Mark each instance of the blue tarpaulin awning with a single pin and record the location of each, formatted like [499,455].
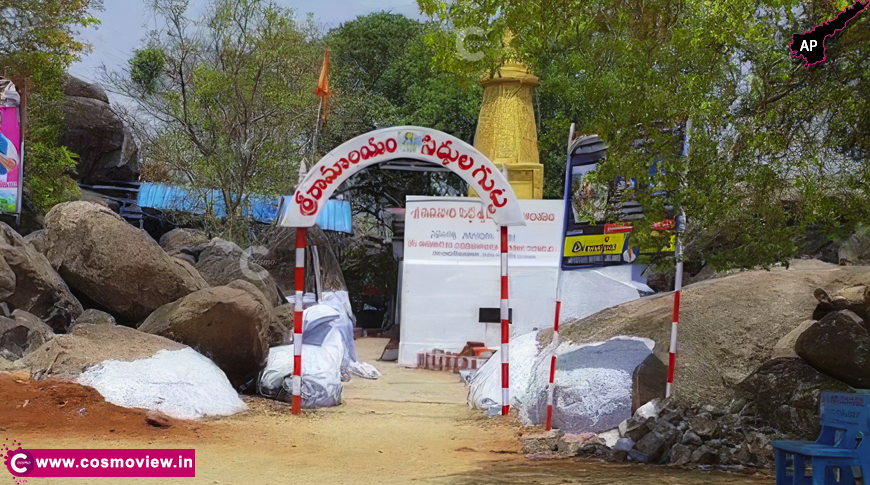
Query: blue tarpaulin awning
[335,216]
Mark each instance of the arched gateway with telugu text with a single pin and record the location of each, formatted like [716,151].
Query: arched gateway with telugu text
[402,142]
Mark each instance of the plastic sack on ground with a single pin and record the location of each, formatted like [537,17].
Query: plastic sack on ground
[182,384]
[317,323]
[364,370]
[339,301]
[321,372]
[484,389]
[593,384]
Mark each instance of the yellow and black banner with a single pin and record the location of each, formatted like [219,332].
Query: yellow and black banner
[596,244]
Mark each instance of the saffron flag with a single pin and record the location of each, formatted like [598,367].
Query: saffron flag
[323,84]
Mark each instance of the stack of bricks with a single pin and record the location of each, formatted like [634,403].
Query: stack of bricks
[448,361]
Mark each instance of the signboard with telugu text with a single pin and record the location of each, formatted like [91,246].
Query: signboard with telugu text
[457,230]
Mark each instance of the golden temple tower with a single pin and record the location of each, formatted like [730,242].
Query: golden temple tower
[506,130]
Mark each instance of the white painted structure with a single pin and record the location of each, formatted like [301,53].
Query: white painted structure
[451,269]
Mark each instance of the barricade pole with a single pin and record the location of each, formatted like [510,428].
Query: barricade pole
[299,284]
[551,388]
[505,327]
[678,286]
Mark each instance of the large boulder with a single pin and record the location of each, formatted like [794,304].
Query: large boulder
[68,356]
[28,282]
[856,249]
[176,241]
[221,262]
[786,393]
[78,88]
[278,330]
[228,325]
[116,265]
[94,317]
[105,146]
[22,334]
[855,298]
[838,345]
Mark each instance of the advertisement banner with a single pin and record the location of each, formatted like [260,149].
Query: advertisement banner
[10,160]
[458,230]
[596,244]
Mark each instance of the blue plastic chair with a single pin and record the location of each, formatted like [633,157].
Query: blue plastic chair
[840,450]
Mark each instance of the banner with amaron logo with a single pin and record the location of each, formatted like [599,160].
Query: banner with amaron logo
[597,248]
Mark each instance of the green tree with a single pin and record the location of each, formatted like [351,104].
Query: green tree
[776,150]
[227,99]
[37,45]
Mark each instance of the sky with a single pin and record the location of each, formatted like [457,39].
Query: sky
[125,22]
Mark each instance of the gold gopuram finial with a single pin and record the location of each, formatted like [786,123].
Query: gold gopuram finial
[506,130]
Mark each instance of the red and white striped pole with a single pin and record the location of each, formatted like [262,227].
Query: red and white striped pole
[505,327]
[299,284]
[678,285]
[551,388]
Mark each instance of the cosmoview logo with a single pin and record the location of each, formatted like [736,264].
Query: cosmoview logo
[19,462]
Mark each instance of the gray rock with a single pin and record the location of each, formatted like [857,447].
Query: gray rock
[716,444]
[29,282]
[22,334]
[176,241]
[703,426]
[67,356]
[854,298]
[116,265]
[37,240]
[838,345]
[658,441]
[705,456]
[105,146]
[856,249]
[743,456]
[680,455]
[610,437]
[785,346]
[648,382]
[94,317]
[81,89]
[691,439]
[542,442]
[737,405]
[281,328]
[793,383]
[623,444]
[638,456]
[634,429]
[221,262]
[648,410]
[570,444]
[228,325]
[652,445]
[279,334]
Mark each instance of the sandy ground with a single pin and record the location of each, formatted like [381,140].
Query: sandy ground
[409,426]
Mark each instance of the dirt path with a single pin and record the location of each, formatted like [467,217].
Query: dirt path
[409,426]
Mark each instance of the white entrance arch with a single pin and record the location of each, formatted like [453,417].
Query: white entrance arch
[423,144]
[414,142]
